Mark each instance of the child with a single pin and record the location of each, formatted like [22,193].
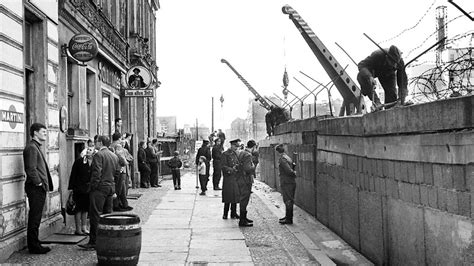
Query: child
[202,174]
[175,164]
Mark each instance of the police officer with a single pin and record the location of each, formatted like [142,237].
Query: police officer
[287,182]
[230,189]
[244,180]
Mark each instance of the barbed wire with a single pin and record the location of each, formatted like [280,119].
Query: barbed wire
[412,27]
[432,34]
[450,79]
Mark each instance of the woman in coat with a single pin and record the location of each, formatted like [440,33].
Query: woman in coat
[79,184]
[287,182]
[230,189]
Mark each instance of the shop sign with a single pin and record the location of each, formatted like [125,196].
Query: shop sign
[12,116]
[138,80]
[139,93]
[83,47]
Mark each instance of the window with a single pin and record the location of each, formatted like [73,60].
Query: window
[90,90]
[105,114]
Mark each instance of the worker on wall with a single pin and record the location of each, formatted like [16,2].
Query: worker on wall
[389,68]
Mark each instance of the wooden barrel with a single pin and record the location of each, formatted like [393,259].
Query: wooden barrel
[119,239]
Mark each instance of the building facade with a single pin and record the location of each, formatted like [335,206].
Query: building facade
[40,81]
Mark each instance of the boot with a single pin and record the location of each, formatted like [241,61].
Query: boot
[243,220]
[289,214]
[282,219]
[233,211]
[248,220]
[226,210]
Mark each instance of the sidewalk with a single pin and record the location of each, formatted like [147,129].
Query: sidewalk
[180,227]
[186,228]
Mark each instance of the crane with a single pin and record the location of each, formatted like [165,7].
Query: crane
[258,97]
[346,86]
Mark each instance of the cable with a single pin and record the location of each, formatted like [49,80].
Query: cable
[414,26]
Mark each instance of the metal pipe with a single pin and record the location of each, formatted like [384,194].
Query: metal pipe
[346,53]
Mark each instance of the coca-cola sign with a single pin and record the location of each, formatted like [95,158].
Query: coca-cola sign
[83,47]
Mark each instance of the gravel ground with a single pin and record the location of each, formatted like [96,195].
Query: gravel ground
[72,254]
[271,243]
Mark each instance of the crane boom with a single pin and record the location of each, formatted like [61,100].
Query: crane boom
[346,86]
[258,97]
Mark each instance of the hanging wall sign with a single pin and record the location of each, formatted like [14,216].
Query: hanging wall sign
[83,47]
[138,82]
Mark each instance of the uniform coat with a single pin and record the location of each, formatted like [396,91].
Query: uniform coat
[230,189]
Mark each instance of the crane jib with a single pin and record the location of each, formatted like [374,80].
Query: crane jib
[258,97]
[346,86]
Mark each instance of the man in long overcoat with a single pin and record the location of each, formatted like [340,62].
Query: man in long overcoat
[230,189]
[245,178]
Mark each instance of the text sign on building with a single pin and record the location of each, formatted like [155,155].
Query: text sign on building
[12,116]
[138,93]
[138,80]
[83,47]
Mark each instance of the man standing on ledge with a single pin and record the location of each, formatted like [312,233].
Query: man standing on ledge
[38,182]
[105,169]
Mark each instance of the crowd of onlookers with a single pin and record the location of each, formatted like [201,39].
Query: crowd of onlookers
[101,176]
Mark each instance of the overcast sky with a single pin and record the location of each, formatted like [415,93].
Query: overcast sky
[259,41]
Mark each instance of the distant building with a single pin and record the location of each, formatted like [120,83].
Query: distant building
[203,132]
[166,125]
[238,129]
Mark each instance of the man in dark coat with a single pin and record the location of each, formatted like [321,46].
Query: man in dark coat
[245,178]
[286,166]
[105,169]
[217,163]
[143,166]
[230,189]
[38,182]
[206,152]
[221,135]
[389,68]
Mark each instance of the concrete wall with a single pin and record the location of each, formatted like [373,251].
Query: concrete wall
[397,185]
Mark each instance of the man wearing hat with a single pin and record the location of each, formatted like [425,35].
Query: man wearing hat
[205,151]
[230,188]
[387,65]
[245,178]
[136,80]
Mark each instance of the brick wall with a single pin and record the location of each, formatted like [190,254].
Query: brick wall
[397,185]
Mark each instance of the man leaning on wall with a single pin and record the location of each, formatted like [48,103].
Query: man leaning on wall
[38,182]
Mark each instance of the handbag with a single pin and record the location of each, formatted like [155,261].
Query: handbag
[71,205]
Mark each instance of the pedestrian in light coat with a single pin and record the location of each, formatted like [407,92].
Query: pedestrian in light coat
[286,166]
[38,183]
[230,189]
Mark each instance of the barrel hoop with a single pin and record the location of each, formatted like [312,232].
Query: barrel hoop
[118,227]
[108,258]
